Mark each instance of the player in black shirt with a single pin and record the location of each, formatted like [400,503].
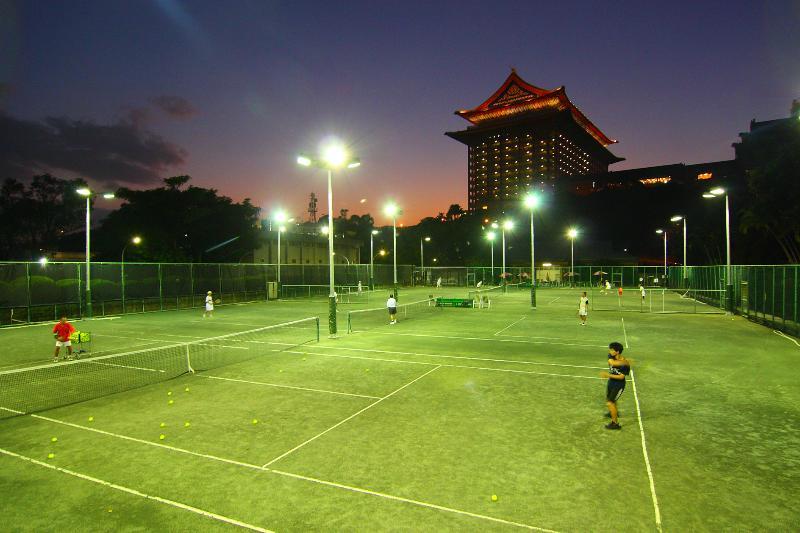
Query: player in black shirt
[618,368]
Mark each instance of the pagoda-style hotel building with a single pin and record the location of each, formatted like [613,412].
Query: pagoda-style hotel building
[524,137]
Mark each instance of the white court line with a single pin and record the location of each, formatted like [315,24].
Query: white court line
[656,510]
[510,325]
[553,300]
[168,341]
[457,357]
[134,492]
[288,387]
[407,500]
[287,474]
[780,333]
[489,339]
[624,333]
[373,404]
[509,370]
[11,410]
[127,366]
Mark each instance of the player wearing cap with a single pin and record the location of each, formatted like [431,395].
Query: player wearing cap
[62,332]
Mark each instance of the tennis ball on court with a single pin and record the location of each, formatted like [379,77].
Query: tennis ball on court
[186,389]
[50,455]
[162,437]
[494,497]
[162,425]
[91,419]
[255,421]
[171,402]
[280,370]
[366,370]
[54,439]
[186,424]
[111,510]
[169,393]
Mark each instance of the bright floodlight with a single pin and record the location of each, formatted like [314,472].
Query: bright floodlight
[382,252]
[508,224]
[136,240]
[108,195]
[353,164]
[43,261]
[572,233]
[303,160]
[375,232]
[495,225]
[427,239]
[659,231]
[83,191]
[282,229]
[676,218]
[547,264]
[334,155]
[324,230]
[717,191]
[532,200]
[279,216]
[708,195]
[491,235]
[391,210]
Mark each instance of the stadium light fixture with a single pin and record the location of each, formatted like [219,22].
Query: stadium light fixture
[372,259]
[547,265]
[87,193]
[280,216]
[662,232]
[676,218]
[572,233]
[422,255]
[304,161]
[83,191]
[392,210]
[532,201]
[335,155]
[324,230]
[43,261]
[715,193]
[109,195]
[659,231]
[382,253]
[136,240]
[507,225]
[708,195]
[495,225]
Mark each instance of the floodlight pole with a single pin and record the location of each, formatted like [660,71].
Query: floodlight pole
[728,280]
[394,251]
[332,293]
[88,256]
[371,261]
[572,261]
[421,262]
[279,258]
[665,255]
[503,274]
[491,244]
[533,267]
[685,272]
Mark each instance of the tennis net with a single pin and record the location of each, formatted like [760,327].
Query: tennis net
[485,291]
[344,293]
[38,388]
[364,319]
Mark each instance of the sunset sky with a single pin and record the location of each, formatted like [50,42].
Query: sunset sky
[125,93]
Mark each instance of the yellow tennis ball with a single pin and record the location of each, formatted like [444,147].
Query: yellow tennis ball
[110,510]
[162,424]
[171,402]
[280,370]
[91,419]
[162,437]
[50,455]
[54,439]
[186,389]
[186,424]
[494,497]
[255,421]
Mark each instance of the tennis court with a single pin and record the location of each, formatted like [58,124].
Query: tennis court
[413,426]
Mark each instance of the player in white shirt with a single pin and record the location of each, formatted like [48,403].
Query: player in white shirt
[439,283]
[209,305]
[391,305]
[644,292]
[583,308]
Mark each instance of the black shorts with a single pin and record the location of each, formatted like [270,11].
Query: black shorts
[392,310]
[614,390]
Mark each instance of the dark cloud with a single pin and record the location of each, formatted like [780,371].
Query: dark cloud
[124,152]
[174,106]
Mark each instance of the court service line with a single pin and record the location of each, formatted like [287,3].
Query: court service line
[511,325]
[127,366]
[289,474]
[553,300]
[371,350]
[512,371]
[373,404]
[656,509]
[490,339]
[12,410]
[288,387]
[134,492]
[781,334]
[624,333]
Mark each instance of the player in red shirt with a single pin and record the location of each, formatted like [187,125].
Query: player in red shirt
[62,332]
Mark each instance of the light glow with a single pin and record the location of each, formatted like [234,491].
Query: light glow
[547,264]
[717,191]
[508,224]
[136,240]
[659,231]
[572,233]
[491,235]
[108,195]
[708,195]
[304,161]
[676,218]
[334,155]
[427,239]
[532,200]
[279,216]
[324,230]
[43,261]
[391,210]
[375,232]
[83,191]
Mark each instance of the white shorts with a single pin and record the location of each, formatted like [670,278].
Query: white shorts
[59,344]
[209,307]
[583,312]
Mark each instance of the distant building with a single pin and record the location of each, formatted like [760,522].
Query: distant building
[525,137]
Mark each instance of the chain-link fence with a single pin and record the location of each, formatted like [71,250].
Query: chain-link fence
[34,292]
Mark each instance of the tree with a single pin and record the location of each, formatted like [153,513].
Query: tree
[180,224]
[454,212]
[34,218]
[771,157]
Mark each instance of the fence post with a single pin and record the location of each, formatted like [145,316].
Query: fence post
[191,285]
[80,304]
[28,285]
[160,294]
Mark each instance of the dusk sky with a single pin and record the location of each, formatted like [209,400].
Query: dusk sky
[125,93]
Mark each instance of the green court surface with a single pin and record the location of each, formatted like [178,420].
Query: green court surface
[406,427]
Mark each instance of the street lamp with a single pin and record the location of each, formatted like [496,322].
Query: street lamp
[391,210]
[661,231]
[137,241]
[532,202]
[334,156]
[280,218]
[715,193]
[679,218]
[572,233]
[372,259]
[507,225]
[490,236]
[86,192]
[422,257]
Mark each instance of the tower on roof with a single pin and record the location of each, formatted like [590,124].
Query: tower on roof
[524,137]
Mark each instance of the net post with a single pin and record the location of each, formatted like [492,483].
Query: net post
[317,321]
[189,360]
